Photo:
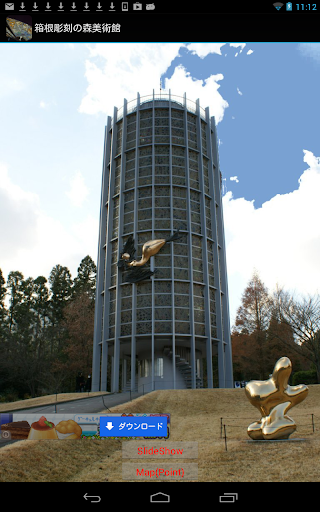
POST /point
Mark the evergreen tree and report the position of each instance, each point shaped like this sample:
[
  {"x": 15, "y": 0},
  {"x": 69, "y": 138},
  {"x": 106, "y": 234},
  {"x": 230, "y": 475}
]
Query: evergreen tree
[
  {"x": 61, "y": 290},
  {"x": 14, "y": 284},
  {"x": 3, "y": 309},
  {"x": 41, "y": 312},
  {"x": 85, "y": 282},
  {"x": 3, "y": 333},
  {"x": 46, "y": 330}
]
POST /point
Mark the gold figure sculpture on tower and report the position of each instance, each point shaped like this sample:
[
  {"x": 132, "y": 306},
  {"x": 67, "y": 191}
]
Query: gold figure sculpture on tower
[
  {"x": 273, "y": 398},
  {"x": 150, "y": 248}
]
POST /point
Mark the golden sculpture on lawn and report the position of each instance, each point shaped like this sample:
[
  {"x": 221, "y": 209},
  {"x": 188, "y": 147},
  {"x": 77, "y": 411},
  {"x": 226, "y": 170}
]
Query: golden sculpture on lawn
[{"x": 273, "y": 398}]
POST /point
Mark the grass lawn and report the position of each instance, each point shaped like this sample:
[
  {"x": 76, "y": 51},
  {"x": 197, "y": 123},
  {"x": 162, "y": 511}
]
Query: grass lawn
[{"x": 195, "y": 416}]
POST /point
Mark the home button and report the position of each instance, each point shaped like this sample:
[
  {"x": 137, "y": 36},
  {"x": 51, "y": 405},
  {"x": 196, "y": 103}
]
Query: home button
[{"x": 160, "y": 497}]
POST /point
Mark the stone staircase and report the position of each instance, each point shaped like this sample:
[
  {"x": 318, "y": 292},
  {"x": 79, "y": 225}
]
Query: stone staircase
[
  {"x": 127, "y": 386},
  {"x": 184, "y": 368}
]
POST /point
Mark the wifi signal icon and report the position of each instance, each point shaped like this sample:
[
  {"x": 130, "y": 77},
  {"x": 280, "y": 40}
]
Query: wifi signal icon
[{"x": 278, "y": 5}]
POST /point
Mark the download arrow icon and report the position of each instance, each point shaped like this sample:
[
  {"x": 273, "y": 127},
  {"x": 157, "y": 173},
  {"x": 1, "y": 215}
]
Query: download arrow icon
[{"x": 109, "y": 425}]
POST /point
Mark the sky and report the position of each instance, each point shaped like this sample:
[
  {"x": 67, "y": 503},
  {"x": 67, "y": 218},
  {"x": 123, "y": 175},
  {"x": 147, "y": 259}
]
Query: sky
[{"x": 55, "y": 99}]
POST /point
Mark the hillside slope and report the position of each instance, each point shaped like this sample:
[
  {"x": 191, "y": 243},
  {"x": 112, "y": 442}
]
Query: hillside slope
[{"x": 195, "y": 416}]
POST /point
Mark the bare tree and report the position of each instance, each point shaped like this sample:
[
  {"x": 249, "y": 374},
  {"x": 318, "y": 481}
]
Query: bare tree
[
  {"x": 254, "y": 313},
  {"x": 303, "y": 317},
  {"x": 249, "y": 335}
]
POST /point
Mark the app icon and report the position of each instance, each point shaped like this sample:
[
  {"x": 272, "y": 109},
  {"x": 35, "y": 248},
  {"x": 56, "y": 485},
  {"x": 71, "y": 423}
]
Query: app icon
[{"x": 137, "y": 6}]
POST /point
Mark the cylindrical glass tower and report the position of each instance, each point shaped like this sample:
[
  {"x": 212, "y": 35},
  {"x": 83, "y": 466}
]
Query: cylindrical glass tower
[{"x": 169, "y": 330}]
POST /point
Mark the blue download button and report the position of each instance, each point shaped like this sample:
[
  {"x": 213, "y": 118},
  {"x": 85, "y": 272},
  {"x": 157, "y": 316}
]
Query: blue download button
[{"x": 133, "y": 426}]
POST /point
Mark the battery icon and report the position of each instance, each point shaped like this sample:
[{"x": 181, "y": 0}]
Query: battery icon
[{"x": 228, "y": 497}]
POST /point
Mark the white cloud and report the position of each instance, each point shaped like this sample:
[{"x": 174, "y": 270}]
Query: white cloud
[
  {"x": 32, "y": 241},
  {"x": 234, "y": 178},
  {"x": 118, "y": 71},
  {"x": 86, "y": 233},
  {"x": 46, "y": 104},
  {"x": 238, "y": 91},
  {"x": 78, "y": 192},
  {"x": 312, "y": 161},
  {"x": 281, "y": 239},
  {"x": 18, "y": 214},
  {"x": 310, "y": 50},
  {"x": 238, "y": 45},
  {"x": 9, "y": 86},
  {"x": 207, "y": 90},
  {"x": 203, "y": 49}
]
